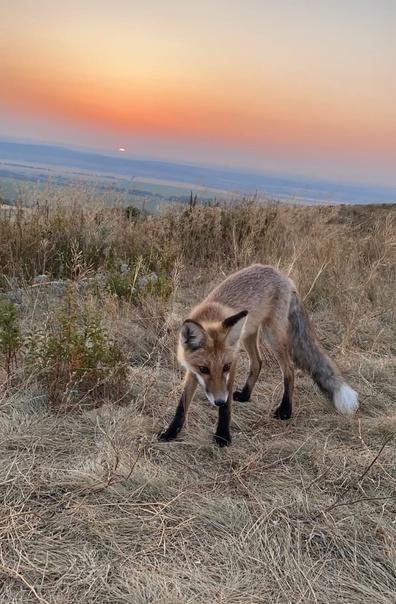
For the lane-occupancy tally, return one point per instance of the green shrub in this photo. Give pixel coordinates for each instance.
(143, 279)
(75, 358)
(120, 285)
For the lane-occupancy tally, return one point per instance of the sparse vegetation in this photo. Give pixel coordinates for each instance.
(94, 509)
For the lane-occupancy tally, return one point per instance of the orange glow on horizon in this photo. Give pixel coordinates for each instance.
(167, 113)
(263, 80)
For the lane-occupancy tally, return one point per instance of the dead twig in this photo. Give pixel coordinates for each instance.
(352, 484)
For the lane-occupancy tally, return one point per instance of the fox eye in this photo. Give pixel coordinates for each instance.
(204, 369)
(226, 367)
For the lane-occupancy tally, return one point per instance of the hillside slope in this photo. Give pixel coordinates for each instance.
(95, 509)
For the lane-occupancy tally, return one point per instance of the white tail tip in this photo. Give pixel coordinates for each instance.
(346, 400)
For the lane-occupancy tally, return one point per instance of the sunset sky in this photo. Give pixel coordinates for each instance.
(298, 86)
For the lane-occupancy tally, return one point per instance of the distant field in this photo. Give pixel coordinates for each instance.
(17, 181)
(169, 189)
(207, 181)
(93, 508)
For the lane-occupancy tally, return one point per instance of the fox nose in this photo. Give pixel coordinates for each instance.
(219, 402)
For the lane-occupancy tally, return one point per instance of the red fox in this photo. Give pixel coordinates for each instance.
(255, 299)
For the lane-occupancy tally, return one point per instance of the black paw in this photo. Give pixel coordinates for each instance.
(222, 440)
(282, 413)
(242, 396)
(167, 436)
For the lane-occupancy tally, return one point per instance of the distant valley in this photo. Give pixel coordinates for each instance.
(167, 181)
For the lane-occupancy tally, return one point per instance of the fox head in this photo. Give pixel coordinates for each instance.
(209, 353)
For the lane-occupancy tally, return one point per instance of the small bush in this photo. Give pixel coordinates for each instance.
(136, 282)
(10, 337)
(75, 358)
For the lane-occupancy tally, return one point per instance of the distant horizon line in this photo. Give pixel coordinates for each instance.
(194, 164)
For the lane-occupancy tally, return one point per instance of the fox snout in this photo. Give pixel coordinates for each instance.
(219, 402)
(216, 399)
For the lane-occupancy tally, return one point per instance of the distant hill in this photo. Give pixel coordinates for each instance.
(17, 155)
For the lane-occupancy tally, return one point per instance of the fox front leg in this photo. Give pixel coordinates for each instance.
(190, 385)
(223, 434)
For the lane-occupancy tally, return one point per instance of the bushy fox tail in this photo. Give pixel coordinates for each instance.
(308, 355)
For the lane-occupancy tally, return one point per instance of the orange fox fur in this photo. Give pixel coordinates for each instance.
(253, 301)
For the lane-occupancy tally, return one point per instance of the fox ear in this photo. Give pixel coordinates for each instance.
(234, 325)
(192, 335)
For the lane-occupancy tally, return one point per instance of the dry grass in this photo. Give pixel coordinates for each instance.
(94, 509)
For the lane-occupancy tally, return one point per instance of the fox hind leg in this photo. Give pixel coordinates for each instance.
(250, 343)
(284, 411)
(277, 340)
